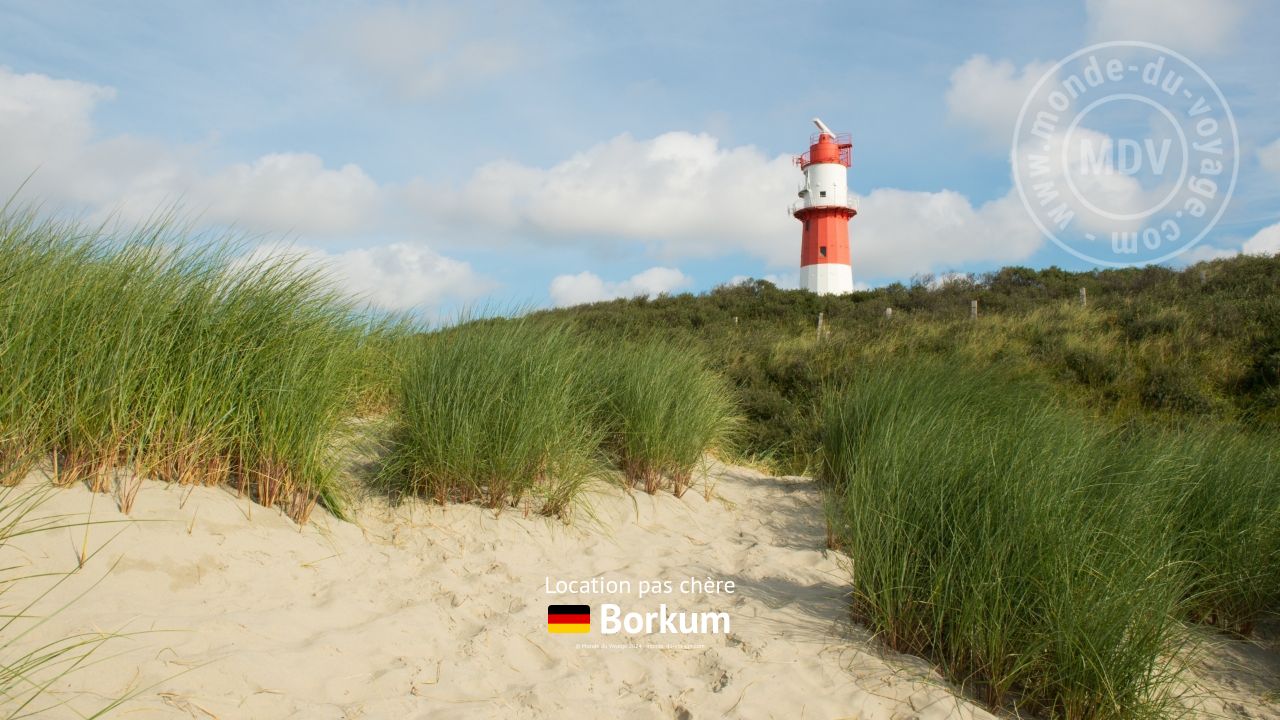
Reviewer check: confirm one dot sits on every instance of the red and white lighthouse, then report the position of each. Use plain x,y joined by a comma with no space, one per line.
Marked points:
825,208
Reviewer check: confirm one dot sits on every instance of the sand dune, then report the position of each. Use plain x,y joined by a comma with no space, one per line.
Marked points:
416,611
422,611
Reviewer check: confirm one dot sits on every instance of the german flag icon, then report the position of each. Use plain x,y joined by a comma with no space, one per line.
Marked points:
569,618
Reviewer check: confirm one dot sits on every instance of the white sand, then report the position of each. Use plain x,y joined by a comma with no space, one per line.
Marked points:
422,611
441,612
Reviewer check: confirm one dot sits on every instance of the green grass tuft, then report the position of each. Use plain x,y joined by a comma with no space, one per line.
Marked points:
174,360
1015,544
663,410
503,411
495,412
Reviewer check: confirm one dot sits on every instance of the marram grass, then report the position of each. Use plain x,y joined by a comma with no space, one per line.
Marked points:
504,412
1040,556
1223,502
172,360
662,411
494,412
1011,543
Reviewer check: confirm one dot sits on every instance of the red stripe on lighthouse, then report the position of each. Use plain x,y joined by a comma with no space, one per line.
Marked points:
825,238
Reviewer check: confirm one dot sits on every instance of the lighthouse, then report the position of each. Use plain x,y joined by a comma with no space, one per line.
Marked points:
824,210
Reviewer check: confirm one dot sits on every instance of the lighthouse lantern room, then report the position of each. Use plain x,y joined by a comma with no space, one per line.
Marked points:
824,208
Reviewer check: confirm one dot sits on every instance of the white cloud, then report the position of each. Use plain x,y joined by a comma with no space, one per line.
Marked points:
290,192
1188,26
684,195
1265,242
47,135
46,128
900,232
399,276
1269,157
418,52
586,287
988,94
1113,192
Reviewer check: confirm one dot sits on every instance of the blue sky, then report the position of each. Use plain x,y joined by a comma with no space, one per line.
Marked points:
443,155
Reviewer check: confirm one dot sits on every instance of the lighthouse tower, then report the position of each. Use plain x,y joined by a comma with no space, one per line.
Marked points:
825,208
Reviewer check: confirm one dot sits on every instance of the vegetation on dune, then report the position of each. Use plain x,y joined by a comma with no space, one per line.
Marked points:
1038,555
496,412
151,355
504,411
662,410
1152,345
175,361
1003,538
1036,499
1223,505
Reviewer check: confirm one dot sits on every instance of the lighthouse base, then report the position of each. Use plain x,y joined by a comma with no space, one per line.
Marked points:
827,278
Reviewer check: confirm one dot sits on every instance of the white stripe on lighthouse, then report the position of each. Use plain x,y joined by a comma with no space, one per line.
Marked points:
827,278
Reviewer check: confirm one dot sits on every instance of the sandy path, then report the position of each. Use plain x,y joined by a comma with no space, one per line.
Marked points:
421,611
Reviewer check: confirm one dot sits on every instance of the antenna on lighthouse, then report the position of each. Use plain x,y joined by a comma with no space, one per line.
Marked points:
822,127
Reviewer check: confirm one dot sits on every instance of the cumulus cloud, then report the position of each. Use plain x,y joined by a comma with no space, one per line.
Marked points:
1265,242
1070,157
46,128
587,287
290,192
47,139
398,276
681,193
1186,26
988,94
1269,157
1202,252
684,195
900,232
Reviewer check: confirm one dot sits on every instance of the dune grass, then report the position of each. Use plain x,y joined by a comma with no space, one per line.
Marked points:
506,411
1042,557
174,360
1004,539
1224,506
495,412
662,410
